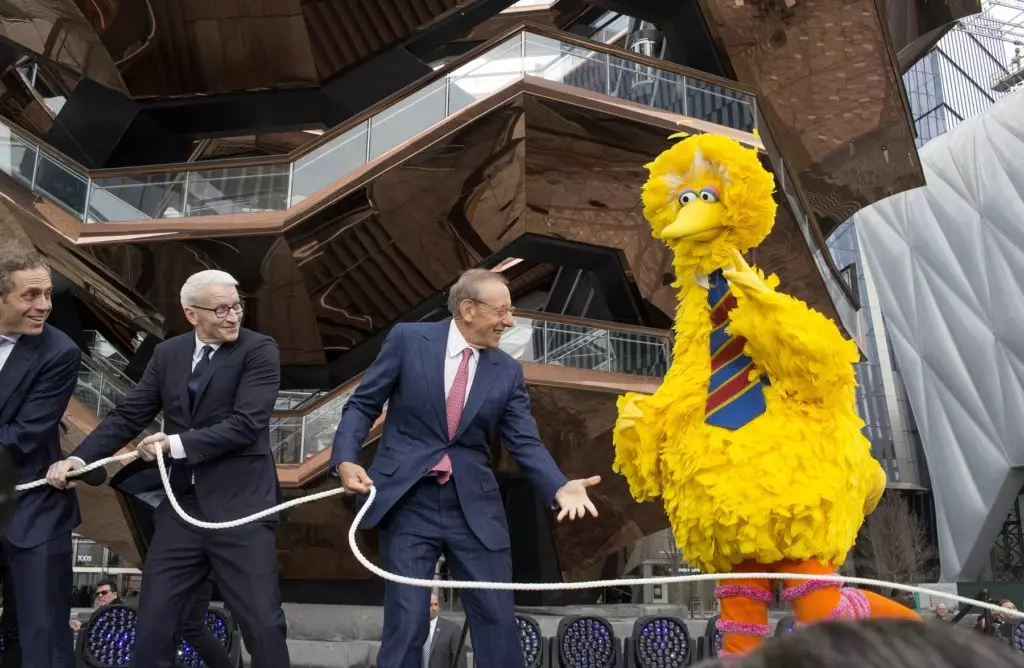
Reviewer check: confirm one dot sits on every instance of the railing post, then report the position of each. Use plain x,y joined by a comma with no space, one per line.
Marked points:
686,101
35,169
291,180
88,198
184,196
522,52
447,95
302,438
369,131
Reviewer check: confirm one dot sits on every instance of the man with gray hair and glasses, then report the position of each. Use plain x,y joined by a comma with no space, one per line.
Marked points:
451,391
38,372
216,386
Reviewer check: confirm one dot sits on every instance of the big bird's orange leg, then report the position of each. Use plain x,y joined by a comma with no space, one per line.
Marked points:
744,619
817,600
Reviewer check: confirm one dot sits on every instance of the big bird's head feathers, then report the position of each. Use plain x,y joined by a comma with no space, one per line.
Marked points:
726,194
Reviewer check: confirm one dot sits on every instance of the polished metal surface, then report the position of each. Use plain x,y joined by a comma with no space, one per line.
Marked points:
279,183
915,26
57,30
830,93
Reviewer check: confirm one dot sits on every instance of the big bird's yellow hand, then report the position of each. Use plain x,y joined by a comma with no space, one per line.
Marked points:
743,278
629,413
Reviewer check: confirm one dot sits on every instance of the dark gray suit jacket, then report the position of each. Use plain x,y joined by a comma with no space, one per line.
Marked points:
444,645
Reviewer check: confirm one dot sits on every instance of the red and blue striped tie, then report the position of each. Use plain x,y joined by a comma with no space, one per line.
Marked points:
734,397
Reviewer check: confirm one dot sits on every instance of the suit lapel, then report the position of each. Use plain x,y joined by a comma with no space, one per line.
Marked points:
433,640
17,366
482,380
432,355
217,361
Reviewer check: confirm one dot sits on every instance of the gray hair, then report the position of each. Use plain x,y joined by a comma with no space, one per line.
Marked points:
468,287
14,259
196,282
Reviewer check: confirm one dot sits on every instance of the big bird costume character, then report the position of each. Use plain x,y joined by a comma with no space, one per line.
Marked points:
752,441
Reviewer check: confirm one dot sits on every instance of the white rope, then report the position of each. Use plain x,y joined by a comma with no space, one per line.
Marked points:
512,586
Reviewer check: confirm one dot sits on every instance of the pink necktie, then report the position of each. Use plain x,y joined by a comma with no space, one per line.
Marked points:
456,399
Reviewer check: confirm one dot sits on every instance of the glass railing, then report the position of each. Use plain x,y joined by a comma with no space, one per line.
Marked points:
100,391
298,438
276,187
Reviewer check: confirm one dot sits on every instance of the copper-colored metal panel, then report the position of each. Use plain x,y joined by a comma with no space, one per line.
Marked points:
56,29
102,517
831,96
916,25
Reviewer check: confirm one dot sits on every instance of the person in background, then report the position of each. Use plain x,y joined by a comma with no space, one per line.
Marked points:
941,612
106,593
38,372
442,640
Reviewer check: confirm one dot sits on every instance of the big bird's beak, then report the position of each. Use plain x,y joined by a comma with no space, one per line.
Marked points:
697,220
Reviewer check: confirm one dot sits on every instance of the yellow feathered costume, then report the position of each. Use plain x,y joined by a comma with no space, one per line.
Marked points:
752,441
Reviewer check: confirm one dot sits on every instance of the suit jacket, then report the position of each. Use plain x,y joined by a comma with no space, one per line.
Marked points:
36,384
444,644
226,436
409,371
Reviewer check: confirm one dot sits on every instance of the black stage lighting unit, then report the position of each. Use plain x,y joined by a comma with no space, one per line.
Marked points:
1016,635
713,640
535,650
658,642
785,625
224,629
585,641
108,638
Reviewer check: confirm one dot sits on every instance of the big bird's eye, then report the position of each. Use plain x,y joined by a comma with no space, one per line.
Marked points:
709,195
687,196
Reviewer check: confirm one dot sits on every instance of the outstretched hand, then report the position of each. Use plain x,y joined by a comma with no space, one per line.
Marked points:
573,500
742,277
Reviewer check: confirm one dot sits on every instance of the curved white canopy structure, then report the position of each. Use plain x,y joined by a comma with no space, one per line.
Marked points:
948,260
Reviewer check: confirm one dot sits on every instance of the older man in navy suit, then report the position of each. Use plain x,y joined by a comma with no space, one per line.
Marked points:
38,370
451,391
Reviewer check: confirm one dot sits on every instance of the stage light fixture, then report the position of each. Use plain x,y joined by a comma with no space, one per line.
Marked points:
586,642
785,625
1017,636
660,642
531,640
220,626
713,637
109,637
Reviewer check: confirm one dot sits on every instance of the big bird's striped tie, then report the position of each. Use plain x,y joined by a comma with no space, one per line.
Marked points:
734,398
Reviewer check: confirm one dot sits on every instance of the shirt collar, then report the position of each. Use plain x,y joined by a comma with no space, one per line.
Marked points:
13,338
702,280
199,346
457,342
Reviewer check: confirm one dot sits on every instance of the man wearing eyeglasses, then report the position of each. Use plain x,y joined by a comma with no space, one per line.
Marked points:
216,387
451,392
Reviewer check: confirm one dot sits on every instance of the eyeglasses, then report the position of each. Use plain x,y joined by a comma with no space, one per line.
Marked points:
500,312
223,311
106,592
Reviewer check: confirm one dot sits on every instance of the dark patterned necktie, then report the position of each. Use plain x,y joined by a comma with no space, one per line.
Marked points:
197,375
734,399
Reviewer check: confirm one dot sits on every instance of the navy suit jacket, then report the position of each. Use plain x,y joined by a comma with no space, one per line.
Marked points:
226,436
36,384
409,371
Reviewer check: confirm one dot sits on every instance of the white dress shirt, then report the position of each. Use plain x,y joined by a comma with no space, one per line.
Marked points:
177,449
456,344
7,343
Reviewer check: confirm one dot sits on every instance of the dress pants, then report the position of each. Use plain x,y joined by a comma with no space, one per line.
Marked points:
196,632
425,523
37,603
244,564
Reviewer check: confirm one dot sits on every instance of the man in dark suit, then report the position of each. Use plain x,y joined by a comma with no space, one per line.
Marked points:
442,640
216,387
451,392
38,371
